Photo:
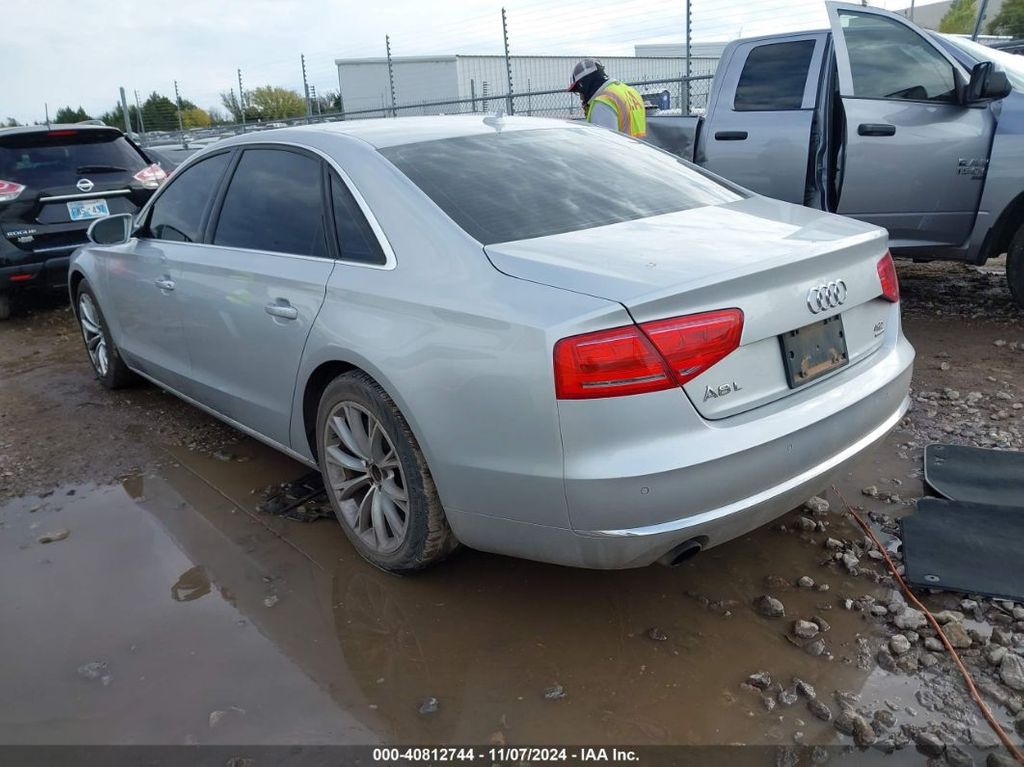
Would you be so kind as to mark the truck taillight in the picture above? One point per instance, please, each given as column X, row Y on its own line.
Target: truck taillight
column 151, row 177
column 10, row 190
column 887, row 276
column 650, row 357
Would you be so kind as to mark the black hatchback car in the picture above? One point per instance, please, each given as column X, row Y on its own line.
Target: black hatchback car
column 54, row 181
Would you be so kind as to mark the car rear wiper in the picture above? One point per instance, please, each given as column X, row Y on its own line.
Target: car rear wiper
column 100, row 169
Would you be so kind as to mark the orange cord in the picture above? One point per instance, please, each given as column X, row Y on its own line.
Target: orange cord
column 986, row 712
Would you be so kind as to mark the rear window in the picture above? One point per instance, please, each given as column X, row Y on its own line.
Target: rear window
column 39, row 160
column 519, row 185
column 774, row 77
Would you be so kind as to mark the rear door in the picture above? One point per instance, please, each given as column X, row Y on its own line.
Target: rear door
column 250, row 295
column 914, row 157
column 759, row 131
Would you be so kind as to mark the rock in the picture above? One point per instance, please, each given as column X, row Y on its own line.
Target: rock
column 805, row 629
column 956, row 636
column 1002, row 637
column 815, row 648
column 270, row 601
column 909, row 618
column 54, row 536
column 863, row 732
column 762, row 680
column 907, row 663
column 807, row 524
column 805, row 582
column 769, row 607
column 957, row 757
column 949, row 616
column 933, row 644
column 1018, row 724
column 821, row 623
column 983, row 738
column 944, row 366
column 844, row 722
column 555, row 692
column 1011, row 671
column 850, row 562
column 817, row 505
column 929, row 744
column 927, row 660
column 96, row 670
column 788, row 697
column 994, row 654
column 899, row 644
column 885, row 660
column 833, row 545
column 804, row 688
column 879, row 610
column 999, row 760
column 216, row 717
column 657, row 634
column 429, row 706
column 884, row 719
column 870, row 491
column 769, row 702
column 820, row 710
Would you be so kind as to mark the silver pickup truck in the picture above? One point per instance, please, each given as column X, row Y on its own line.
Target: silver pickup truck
column 876, row 119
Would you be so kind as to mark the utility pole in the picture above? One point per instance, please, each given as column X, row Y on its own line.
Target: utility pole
column 316, row 102
column 305, row 86
column 508, row 60
column 391, row 76
column 241, row 100
column 124, row 111
column 689, row 65
column 911, row 10
column 981, row 18
column 138, row 111
column 177, row 101
column 46, row 109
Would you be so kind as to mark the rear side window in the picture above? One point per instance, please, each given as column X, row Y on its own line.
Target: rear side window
column 522, row 184
column 275, row 203
column 356, row 239
column 177, row 214
column 62, row 156
column 774, row 77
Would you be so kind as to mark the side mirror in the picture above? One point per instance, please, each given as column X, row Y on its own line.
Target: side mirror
column 988, row 82
column 111, row 230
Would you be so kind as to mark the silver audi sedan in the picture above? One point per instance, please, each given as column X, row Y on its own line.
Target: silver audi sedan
column 524, row 336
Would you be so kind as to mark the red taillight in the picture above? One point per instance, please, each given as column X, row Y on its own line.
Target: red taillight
column 10, row 190
column 63, row 133
column 887, row 276
column 21, row 277
column 151, row 176
column 693, row 344
column 639, row 359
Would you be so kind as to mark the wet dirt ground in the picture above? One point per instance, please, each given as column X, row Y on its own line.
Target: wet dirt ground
column 175, row 612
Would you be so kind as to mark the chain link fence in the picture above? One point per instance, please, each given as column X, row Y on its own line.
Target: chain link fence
column 673, row 96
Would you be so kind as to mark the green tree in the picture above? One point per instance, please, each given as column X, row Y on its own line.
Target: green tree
column 159, row 113
column 272, row 103
column 194, row 117
column 1009, row 20
column 960, row 18
column 229, row 101
column 115, row 117
column 69, row 115
column 10, row 122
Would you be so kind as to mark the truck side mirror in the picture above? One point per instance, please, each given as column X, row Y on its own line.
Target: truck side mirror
column 988, row 82
column 111, row 230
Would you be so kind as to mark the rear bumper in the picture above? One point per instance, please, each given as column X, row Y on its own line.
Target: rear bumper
column 634, row 499
column 37, row 271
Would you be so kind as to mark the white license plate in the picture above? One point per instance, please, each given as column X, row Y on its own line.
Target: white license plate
column 82, row 210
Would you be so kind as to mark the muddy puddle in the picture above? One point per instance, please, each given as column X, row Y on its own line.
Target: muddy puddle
column 174, row 612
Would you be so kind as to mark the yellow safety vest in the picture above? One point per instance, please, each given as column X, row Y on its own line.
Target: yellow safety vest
column 628, row 106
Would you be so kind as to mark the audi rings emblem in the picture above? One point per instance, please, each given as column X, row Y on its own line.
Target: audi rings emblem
column 827, row 296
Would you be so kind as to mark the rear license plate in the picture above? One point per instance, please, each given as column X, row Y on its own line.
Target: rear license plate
column 814, row 350
column 82, row 210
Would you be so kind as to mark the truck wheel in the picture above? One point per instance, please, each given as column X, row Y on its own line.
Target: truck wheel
column 5, row 307
column 106, row 361
column 377, row 478
column 1015, row 267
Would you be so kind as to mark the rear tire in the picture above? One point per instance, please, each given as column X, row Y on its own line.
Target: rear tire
column 5, row 307
column 1015, row 267
column 377, row 479
column 103, row 355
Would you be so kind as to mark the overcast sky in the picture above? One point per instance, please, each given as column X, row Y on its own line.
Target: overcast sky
column 78, row 52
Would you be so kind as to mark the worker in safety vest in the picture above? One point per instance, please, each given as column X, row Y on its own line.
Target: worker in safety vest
column 608, row 103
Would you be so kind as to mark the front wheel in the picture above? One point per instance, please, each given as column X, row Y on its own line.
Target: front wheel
column 1015, row 267
column 377, row 478
column 106, row 362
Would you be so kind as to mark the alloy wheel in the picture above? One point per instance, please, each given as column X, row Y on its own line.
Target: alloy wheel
column 365, row 477
column 92, row 331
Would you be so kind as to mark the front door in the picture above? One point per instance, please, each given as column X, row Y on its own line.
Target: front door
column 914, row 156
column 249, row 298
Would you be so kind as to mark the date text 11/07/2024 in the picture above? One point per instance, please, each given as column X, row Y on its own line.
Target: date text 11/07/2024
column 502, row 754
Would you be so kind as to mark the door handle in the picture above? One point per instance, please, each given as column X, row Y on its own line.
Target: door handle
column 876, row 129
column 165, row 284
column 731, row 135
column 283, row 310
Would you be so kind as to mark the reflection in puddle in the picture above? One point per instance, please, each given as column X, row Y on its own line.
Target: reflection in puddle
column 192, row 584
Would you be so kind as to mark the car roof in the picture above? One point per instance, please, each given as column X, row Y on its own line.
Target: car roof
column 26, row 129
column 386, row 132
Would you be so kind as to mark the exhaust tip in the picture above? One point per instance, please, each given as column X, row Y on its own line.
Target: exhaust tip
column 681, row 553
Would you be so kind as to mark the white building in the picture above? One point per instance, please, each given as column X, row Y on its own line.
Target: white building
column 706, row 50
column 428, row 84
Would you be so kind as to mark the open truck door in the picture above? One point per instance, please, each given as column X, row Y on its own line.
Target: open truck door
column 913, row 152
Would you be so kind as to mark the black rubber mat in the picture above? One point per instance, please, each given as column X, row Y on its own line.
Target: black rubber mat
column 968, row 547
column 975, row 475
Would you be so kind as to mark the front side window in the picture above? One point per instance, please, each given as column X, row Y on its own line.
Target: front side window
column 522, row 184
column 774, row 77
column 888, row 60
column 178, row 213
column 274, row 202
